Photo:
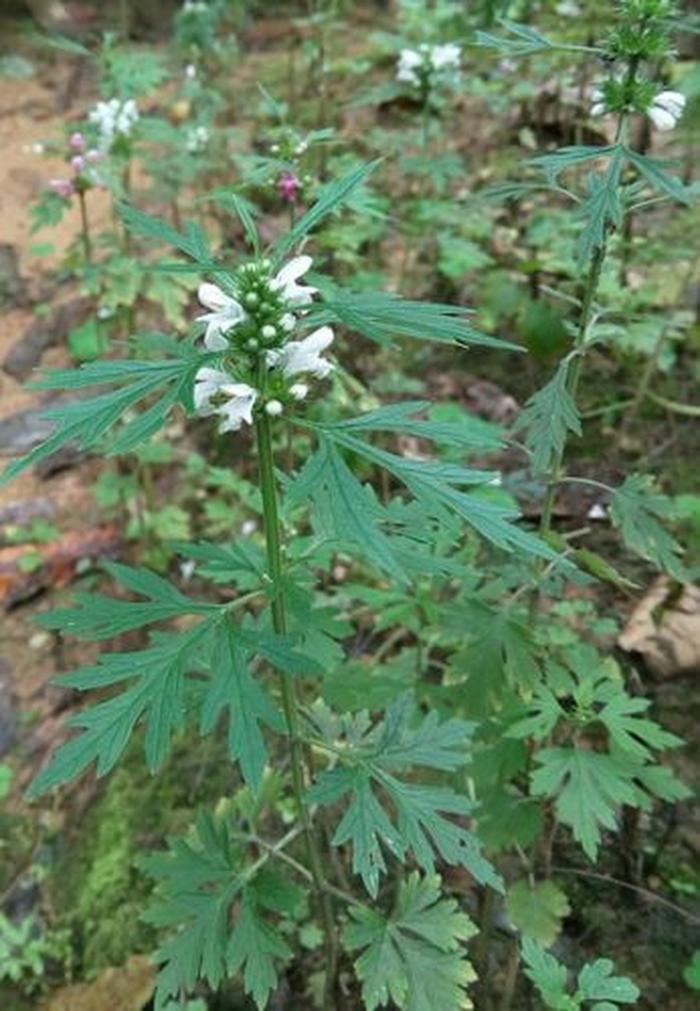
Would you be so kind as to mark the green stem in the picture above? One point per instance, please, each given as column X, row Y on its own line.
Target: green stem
column 85, row 227
column 591, row 288
column 271, row 521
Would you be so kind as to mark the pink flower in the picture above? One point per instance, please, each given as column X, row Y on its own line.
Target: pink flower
column 63, row 187
column 93, row 155
column 77, row 142
column 288, row 187
column 78, row 163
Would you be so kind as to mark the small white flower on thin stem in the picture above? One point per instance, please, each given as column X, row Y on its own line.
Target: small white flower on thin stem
column 666, row 109
column 285, row 282
column 237, row 399
column 225, row 313
column 302, row 356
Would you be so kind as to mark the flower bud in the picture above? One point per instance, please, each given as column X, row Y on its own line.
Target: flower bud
column 274, row 408
column 77, row 142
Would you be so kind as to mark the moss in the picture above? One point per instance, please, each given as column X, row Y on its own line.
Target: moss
column 96, row 886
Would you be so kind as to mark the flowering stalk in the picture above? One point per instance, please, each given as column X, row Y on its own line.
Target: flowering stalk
column 85, row 227
column 263, row 431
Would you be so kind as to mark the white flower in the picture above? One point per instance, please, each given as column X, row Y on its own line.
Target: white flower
column 190, row 71
column 235, row 409
column 409, row 61
column 197, row 139
column 274, row 408
column 299, row 391
column 446, row 56
column 304, row 356
column 666, row 109
column 599, row 107
column 568, row 8
column 596, row 512
column 285, row 282
column 113, row 119
column 225, row 314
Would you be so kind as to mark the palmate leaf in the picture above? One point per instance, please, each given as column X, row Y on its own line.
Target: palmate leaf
column 435, row 486
column 86, row 421
column 157, row 696
column 635, row 509
column 548, row 416
column 243, row 209
column 467, row 432
column 200, row 881
column 415, row 957
column 367, row 777
column 208, row 665
column 501, row 652
column 383, row 316
column 548, row 975
column 345, row 510
column 570, row 157
column 97, row 617
column 233, row 687
column 596, row 982
column 537, row 909
column 590, row 786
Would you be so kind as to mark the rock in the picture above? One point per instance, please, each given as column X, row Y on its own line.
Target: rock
column 21, row 432
column 664, row 630
column 8, row 715
column 44, row 333
column 12, row 285
column 18, row 514
column 126, row 988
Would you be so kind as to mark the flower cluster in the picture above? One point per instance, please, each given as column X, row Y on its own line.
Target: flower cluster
column 197, row 139
column 82, row 161
column 114, row 119
column 290, row 148
column 252, row 328
column 429, row 65
column 664, row 109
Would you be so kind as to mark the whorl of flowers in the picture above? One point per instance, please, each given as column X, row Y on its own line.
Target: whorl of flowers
column 114, row 119
column 82, row 161
column 261, row 368
column 663, row 109
column 427, row 65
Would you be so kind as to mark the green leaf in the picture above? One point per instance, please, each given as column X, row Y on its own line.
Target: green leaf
column 652, row 169
column 156, row 696
column 589, row 787
column 244, row 210
column 570, row 157
column 501, row 652
column 193, row 242
column 636, row 508
column 548, row 975
column 596, row 982
column 383, row 316
column 203, row 892
column 232, row 687
column 86, row 421
column 465, row 432
column 345, row 510
column 415, row 957
column 602, row 210
column 537, row 910
column 256, row 947
column 548, row 416
column 97, row 617
column 332, row 196
column 524, row 41
column 431, row 482
column 396, row 744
